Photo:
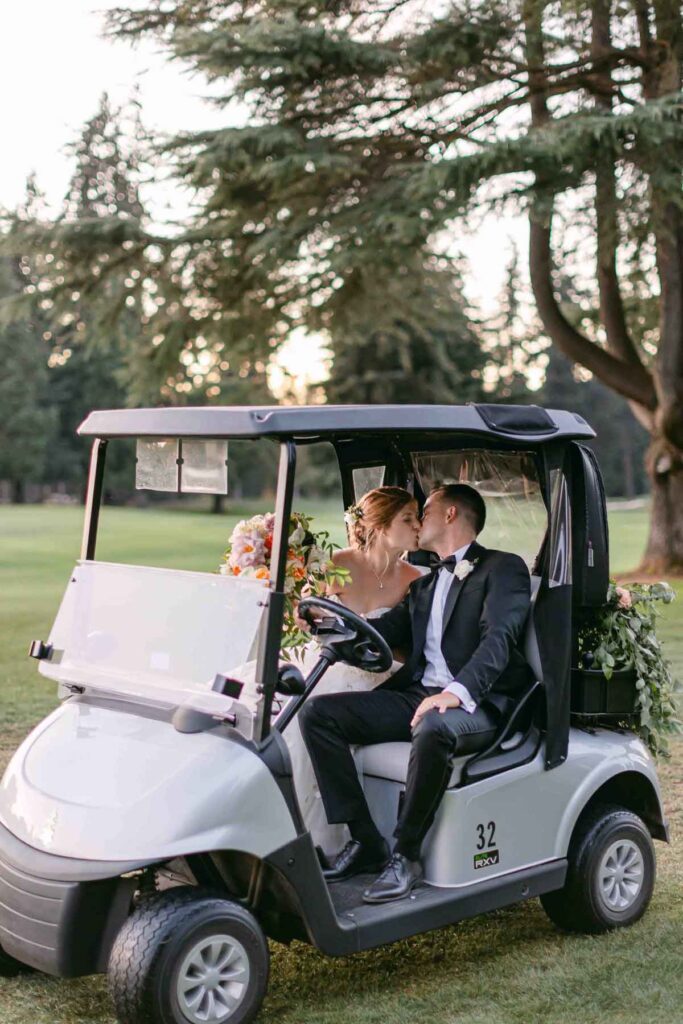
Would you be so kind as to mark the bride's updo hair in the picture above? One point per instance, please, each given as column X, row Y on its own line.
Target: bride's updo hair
column 374, row 512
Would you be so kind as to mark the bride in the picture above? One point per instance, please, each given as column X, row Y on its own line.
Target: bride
column 382, row 527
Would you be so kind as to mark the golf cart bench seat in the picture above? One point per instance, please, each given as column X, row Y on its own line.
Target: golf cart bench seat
column 512, row 745
column 390, row 760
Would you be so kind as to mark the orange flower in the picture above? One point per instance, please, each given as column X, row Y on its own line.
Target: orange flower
column 262, row 573
column 268, row 542
column 236, row 570
column 298, row 573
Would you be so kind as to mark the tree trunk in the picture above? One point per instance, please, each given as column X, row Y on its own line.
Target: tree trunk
column 217, row 504
column 18, row 492
column 664, row 553
column 627, row 462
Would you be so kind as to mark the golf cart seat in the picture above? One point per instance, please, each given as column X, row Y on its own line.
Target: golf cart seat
column 516, row 743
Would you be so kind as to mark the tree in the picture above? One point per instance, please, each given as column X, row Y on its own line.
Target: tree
column 514, row 339
column 433, row 357
column 621, row 442
column 25, row 418
column 374, row 125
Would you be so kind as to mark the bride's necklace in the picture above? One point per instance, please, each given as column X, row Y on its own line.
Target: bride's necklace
column 379, row 576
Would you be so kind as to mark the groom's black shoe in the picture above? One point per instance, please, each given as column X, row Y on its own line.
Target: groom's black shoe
column 355, row 859
column 398, row 879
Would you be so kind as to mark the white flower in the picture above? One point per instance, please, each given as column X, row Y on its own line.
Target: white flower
column 317, row 559
column 463, row 568
column 297, row 537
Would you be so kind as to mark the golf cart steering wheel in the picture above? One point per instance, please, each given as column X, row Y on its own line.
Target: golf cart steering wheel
column 348, row 636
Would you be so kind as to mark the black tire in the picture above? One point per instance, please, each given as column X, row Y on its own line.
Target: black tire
column 9, row 967
column 148, row 954
column 581, row 905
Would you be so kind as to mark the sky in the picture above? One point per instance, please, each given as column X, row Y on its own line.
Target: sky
column 54, row 65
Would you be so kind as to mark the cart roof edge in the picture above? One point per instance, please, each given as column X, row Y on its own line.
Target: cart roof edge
column 526, row 423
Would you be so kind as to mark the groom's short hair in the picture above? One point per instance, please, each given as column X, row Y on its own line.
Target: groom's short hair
column 467, row 500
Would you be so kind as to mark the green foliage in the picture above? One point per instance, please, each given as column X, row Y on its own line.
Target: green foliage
column 392, row 355
column 623, row 635
column 26, row 419
column 369, row 130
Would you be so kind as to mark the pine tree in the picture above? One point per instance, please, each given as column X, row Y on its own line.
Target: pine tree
column 26, row 420
column 434, row 357
column 514, row 340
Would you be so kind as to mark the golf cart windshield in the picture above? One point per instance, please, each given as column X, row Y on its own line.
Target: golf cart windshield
column 161, row 633
column 158, row 634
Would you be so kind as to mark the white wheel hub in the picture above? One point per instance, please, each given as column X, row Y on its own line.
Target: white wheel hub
column 621, row 875
column 212, row 980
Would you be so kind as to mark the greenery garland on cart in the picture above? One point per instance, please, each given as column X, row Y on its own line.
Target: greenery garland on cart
column 622, row 635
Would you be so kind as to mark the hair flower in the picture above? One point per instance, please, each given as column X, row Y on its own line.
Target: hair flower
column 353, row 514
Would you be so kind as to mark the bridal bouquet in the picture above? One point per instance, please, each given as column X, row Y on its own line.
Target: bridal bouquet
column 309, row 570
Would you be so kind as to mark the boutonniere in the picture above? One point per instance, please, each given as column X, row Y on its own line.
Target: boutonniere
column 464, row 567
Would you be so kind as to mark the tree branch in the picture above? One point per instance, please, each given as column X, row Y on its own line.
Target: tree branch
column 632, row 382
column 612, row 313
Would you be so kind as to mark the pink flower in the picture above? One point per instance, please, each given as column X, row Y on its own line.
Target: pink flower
column 247, row 550
column 624, row 596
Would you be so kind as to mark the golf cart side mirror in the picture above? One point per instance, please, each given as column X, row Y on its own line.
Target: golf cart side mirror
column 290, row 681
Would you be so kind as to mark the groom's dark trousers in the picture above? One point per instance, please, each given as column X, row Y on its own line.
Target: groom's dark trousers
column 483, row 621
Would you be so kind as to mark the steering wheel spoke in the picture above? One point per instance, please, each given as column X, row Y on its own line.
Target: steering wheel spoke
column 347, row 635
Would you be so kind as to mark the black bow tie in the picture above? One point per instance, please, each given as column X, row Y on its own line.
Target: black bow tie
column 445, row 563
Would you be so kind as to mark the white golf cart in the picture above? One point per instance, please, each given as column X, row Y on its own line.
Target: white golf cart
column 149, row 826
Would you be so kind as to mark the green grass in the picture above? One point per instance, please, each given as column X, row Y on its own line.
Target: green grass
column 511, row 967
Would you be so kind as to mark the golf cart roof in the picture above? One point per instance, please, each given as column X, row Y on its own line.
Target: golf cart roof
column 528, row 423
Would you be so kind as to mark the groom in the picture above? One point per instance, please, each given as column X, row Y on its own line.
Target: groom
column 462, row 623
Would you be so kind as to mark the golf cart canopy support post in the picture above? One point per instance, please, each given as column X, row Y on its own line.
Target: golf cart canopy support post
column 93, row 499
column 269, row 641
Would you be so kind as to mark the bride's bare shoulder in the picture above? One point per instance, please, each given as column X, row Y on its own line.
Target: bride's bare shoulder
column 346, row 557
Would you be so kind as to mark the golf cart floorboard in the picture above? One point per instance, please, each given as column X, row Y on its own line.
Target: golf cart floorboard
column 430, row 906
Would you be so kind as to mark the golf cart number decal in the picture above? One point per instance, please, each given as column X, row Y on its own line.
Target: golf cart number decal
column 486, row 844
column 486, row 835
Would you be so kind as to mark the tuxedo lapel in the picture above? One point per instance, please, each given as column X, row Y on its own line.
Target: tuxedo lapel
column 422, row 610
column 474, row 551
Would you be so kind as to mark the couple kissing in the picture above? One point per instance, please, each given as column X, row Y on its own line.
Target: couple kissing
column 458, row 625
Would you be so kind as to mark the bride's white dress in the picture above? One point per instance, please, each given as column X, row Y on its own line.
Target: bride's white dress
column 339, row 678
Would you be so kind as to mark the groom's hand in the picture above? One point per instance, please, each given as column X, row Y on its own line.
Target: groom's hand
column 441, row 701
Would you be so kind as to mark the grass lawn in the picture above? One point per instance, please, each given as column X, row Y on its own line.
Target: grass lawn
column 510, row 967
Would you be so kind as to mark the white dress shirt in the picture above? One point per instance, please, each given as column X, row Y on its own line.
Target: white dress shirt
column 436, row 671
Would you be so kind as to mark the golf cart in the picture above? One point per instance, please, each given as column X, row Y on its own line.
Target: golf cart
column 149, row 826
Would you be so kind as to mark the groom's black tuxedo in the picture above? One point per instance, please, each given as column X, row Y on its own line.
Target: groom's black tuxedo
column 484, row 614
column 483, row 620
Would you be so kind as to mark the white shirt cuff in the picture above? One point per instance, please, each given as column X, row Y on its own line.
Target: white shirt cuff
column 464, row 695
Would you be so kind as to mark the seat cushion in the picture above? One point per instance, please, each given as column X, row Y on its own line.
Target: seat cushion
column 390, row 761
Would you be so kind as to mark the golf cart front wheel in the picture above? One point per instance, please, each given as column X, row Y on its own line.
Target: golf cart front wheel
column 189, row 957
column 610, row 877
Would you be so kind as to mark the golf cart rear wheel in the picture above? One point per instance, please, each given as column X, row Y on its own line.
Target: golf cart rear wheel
column 610, row 877
column 189, row 957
